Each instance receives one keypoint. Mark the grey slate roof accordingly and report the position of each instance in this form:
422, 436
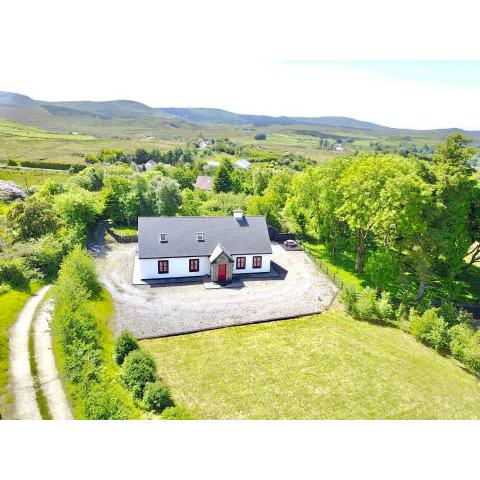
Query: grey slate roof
247, 236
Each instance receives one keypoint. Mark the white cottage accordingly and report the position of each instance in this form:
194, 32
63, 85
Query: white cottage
219, 247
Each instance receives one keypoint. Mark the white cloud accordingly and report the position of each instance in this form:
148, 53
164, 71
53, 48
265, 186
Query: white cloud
232, 55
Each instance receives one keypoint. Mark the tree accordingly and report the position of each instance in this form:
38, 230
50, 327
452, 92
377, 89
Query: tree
191, 204
223, 180
260, 136
474, 228
32, 218
78, 208
455, 154
167, 196
455, 193
260, 178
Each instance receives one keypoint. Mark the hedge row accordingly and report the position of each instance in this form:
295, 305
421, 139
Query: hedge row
72, 167
444, 329
140, 376
93, 387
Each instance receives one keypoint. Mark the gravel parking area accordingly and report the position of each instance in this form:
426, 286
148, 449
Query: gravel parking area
161, 310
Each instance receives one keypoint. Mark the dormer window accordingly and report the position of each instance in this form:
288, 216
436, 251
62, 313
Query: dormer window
200, 237
163, 238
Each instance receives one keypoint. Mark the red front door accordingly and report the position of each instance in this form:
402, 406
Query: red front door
222, 272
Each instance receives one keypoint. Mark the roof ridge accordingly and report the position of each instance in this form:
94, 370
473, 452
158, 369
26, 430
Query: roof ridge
200, 216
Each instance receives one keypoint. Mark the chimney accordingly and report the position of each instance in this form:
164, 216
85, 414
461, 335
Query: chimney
238, 214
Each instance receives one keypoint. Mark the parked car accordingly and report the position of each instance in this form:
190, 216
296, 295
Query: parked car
290, 243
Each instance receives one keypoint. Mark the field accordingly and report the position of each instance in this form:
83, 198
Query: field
25, 142
323, 367
27, 177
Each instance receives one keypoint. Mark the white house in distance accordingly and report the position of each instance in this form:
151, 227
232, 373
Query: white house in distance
243, 164
218, 247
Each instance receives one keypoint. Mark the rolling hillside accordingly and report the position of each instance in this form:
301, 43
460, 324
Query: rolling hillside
17, 107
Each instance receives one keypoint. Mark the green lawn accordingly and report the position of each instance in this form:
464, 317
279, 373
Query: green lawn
125, 231
11, 303
341, 266
324, 367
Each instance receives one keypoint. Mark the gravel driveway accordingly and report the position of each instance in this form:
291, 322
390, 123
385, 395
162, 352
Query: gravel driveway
161, 310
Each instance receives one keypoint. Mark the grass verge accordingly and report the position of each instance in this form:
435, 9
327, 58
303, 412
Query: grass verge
328, 366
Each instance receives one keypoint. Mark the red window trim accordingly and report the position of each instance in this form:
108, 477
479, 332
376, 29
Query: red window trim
163, 267
241, 263
194, 265
257, 262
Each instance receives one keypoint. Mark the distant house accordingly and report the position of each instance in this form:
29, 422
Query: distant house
338, 148
150, 164
218, 247
243, 164
213, 164
205, 143
204, 183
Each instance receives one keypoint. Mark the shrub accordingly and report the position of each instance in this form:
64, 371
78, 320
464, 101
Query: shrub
365, 307
138, 370
125, 344
14, 273
48, 252
460, 337
175, 413
78, 265
431, 329
260, 136
157, 397
471, 353
349, 297
100, 404
448, 312
32, 218
11, 163
83, 362
384, 307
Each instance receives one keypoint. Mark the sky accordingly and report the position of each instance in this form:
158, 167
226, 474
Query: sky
302, 58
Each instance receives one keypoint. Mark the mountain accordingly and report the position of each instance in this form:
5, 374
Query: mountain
14, 106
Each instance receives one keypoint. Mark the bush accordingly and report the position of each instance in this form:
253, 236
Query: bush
431, 329
349, 297
471, 353
14, 273
384, 307
79, 267
138, 370
125, 344
100, 404
365, 307
175, 413
157, 397
460, 337
260, 136
48, 252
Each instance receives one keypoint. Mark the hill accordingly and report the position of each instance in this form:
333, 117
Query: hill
17, 107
